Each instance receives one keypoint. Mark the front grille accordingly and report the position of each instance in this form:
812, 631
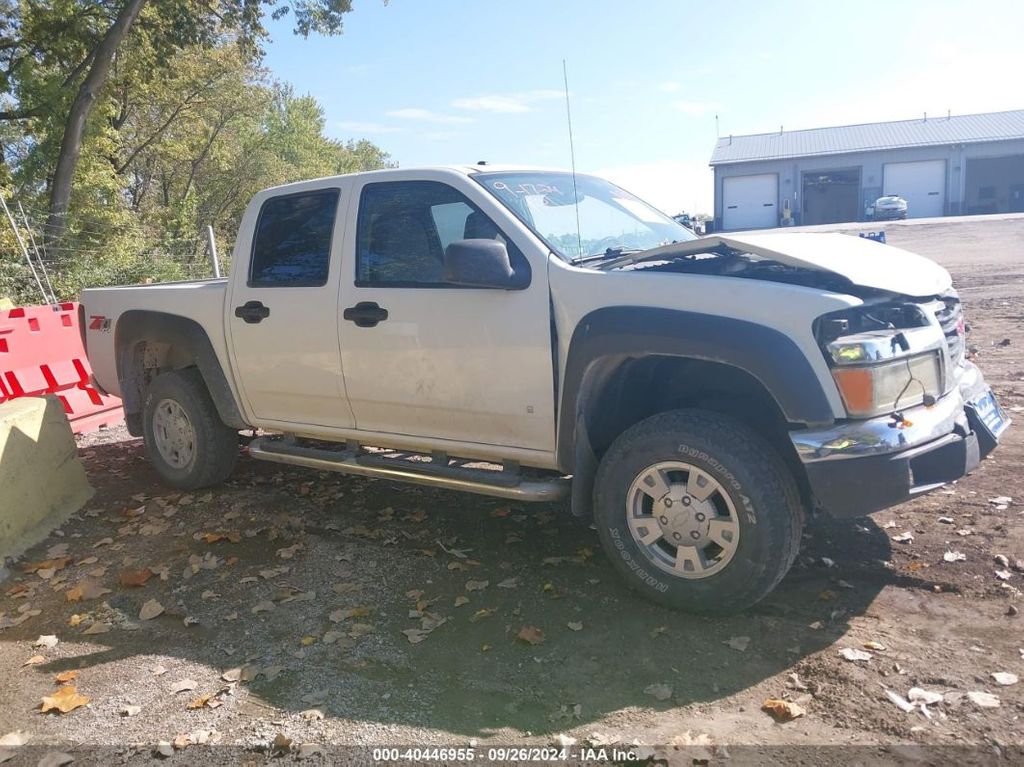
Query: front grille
951, 317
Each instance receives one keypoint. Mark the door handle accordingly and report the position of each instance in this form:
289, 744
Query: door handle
365, 314
252, 312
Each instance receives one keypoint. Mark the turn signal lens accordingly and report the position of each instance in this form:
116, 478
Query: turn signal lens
857, 387
870, 390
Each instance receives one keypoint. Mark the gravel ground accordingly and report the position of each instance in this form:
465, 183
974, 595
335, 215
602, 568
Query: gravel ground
321, 611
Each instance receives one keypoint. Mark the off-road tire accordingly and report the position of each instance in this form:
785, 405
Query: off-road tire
747, 468
215, 445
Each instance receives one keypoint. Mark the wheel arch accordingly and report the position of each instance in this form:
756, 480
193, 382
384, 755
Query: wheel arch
148, 343
628, 363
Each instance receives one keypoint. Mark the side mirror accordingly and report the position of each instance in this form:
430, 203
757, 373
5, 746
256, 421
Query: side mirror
482, 264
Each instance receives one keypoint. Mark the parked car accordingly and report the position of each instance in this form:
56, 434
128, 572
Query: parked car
889, 207
536, 336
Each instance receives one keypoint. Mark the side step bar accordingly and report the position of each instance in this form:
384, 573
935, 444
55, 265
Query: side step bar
502, 485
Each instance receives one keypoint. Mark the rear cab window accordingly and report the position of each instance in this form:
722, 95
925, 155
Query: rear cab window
291, 246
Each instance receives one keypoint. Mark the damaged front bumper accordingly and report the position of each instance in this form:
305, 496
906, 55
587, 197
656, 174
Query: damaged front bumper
859, 467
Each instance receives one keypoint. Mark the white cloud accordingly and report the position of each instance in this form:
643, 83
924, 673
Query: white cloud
425, 115
696, 108
508, 103
672, 187
355, 126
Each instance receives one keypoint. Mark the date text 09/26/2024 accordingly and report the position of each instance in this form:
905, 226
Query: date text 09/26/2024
500, 754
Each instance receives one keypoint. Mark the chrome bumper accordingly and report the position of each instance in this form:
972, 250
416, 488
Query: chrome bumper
881, 436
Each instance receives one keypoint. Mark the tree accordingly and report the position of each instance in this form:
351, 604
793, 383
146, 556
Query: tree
165, 150
75, 42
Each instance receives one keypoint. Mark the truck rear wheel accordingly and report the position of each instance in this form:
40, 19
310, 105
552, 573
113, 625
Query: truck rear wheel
697, 511
185, 439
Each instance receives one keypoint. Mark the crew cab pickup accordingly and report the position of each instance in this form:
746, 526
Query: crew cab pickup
540, 335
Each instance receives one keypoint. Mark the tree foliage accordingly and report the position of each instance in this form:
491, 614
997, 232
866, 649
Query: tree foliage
186, 128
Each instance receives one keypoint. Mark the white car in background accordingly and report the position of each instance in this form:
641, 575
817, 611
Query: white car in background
888, 207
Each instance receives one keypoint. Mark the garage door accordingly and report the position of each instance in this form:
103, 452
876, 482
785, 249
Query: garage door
750, 202
921, 184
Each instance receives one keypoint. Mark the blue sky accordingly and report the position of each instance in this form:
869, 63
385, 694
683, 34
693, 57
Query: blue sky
450, 81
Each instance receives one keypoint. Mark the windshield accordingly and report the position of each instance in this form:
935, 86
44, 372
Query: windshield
604, 220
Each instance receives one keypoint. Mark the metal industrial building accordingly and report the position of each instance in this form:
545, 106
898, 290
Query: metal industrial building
950, 165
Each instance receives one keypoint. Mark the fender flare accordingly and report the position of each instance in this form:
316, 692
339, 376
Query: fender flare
622, 332
191, 346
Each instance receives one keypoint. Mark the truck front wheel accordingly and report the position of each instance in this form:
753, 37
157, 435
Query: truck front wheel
185, 439
697, 511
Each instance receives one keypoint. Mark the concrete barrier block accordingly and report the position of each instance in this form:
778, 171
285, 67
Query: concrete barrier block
42, 482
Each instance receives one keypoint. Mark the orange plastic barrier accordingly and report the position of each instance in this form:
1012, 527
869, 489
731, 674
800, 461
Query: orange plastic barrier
41, 353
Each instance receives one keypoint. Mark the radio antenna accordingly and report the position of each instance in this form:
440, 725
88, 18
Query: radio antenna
572, 158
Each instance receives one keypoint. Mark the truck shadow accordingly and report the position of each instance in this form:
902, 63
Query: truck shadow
317, 577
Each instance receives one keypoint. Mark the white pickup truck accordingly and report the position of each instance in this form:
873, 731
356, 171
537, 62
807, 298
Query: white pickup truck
536, 335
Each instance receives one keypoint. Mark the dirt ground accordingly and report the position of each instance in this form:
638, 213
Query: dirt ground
325, 611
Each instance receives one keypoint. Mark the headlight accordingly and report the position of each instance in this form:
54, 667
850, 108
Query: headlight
884, 358
870, 390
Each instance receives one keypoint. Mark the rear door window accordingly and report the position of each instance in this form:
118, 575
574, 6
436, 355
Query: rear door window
292, 244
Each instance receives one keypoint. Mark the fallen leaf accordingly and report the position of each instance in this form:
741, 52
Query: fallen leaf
134, 578
1005, 678
461, 600
46, 640
918, 695
782, 710
739, 644
86, 589
854, 655
415, 636
201, 701
479, 615
232, 675
983, 699
509, 583
35, 660
184, 685
282, 743
658, 691
263, 607
97, 627
150, 610
353, 612
872, 645
306, 641
903, 537
64, 700
65, 676
164, 749
575, 626
530, 635
477, 585
55, 564
289, 551
954, 556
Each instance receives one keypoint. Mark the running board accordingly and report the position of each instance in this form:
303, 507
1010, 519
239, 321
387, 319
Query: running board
501, 485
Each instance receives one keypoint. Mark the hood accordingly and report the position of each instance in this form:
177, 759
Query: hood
863, 262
